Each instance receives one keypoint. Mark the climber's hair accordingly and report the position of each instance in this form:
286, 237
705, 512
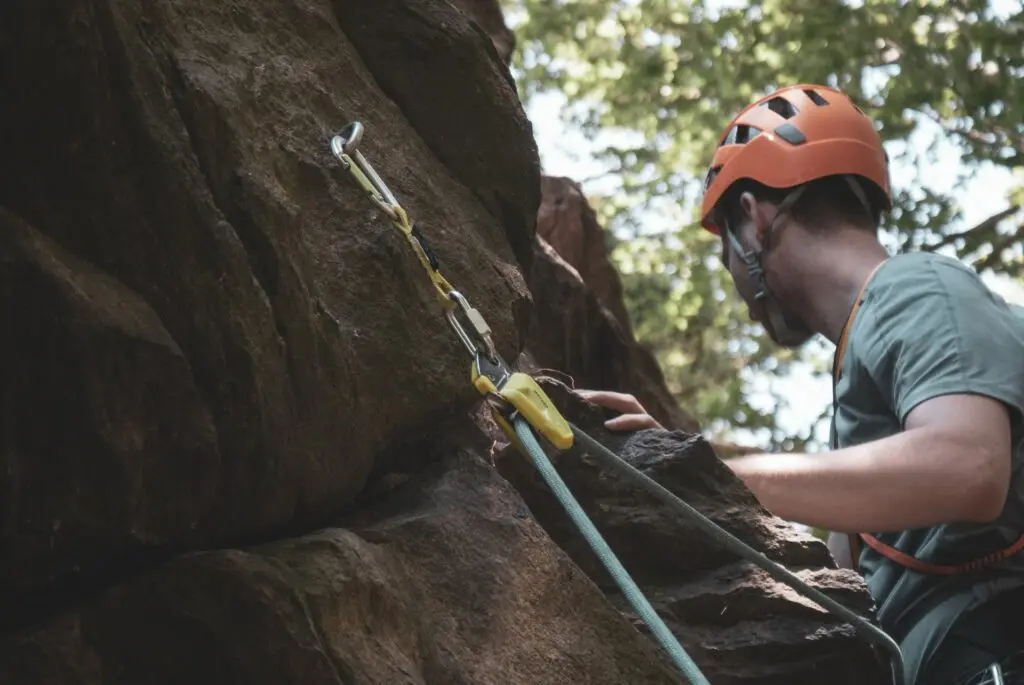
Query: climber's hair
824, 201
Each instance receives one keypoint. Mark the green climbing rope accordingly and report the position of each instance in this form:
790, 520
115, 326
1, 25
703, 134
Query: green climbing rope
733, 544
622, 578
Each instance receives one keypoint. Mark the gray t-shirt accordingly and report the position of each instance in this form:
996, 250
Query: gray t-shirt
928, 326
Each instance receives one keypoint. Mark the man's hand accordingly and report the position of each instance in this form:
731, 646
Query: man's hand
634, 416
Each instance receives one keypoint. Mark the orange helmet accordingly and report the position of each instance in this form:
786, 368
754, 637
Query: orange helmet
792, 136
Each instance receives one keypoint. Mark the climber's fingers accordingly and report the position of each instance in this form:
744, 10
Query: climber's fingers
634, 416
631, 422
613, 400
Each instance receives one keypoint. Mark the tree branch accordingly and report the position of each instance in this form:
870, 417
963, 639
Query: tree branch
979, 137
984, 225
990, 260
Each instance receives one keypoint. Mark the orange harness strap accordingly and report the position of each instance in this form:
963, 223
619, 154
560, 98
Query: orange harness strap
941, 569
874, 543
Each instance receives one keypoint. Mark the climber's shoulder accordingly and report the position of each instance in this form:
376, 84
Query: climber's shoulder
915, 282
929, 325
917, 294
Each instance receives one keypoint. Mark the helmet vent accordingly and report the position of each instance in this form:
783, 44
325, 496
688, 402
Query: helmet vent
712, 172
745, 134
815, 97
741, 134
781, 106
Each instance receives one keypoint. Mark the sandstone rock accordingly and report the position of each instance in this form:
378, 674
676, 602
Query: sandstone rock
580, 326
740, 625
106, 441
224, 335
488, 14
569, 330
568, 223
446, 580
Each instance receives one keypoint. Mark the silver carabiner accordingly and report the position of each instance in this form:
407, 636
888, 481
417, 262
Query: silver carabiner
346, 144
459, 330
348, 140
477, 321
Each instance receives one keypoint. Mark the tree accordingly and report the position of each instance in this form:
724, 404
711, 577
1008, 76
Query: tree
653, 83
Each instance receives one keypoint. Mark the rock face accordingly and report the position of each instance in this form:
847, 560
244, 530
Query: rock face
580, 326
567, 222
739, 624
238, 440
447, 580
206, 301
487, 14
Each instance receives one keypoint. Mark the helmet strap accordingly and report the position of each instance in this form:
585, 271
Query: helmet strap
753, 262
752, 259
858, 190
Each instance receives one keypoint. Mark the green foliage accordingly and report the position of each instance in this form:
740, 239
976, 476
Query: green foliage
653, 83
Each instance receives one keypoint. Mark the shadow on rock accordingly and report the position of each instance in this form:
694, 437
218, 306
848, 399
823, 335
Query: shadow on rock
446, 579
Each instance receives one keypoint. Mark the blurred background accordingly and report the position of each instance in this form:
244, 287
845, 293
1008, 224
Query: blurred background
628, 97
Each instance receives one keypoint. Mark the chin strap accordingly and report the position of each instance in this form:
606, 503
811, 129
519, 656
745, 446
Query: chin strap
752, 260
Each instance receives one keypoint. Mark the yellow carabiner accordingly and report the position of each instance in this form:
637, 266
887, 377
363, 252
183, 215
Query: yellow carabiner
523, 393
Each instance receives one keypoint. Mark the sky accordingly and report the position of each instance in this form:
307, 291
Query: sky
564, 151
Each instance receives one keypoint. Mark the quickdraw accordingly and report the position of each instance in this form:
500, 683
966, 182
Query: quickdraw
345, 147
510, 392
520, 407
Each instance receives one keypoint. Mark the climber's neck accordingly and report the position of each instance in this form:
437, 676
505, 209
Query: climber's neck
831, 276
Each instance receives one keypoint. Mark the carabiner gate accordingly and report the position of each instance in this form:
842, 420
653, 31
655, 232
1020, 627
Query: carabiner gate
477, 321
461, 332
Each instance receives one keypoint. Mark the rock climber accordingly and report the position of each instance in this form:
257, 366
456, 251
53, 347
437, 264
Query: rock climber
922, 486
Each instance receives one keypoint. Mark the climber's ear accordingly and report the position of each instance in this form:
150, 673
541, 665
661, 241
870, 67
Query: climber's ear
754, 222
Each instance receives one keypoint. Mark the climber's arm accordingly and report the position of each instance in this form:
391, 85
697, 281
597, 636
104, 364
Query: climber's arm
952, 463
943, 355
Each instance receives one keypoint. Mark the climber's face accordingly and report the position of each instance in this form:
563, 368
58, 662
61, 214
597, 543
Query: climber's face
777, 310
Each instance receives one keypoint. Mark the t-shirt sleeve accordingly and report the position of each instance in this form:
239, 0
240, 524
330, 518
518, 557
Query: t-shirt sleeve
933, 328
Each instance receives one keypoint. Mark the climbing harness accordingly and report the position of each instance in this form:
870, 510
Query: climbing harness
522, 410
